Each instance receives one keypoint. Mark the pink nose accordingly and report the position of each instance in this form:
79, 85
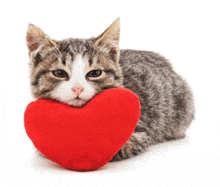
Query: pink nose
77, 90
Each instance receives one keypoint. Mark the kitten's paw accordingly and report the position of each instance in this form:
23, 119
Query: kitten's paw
134, 146
176, 137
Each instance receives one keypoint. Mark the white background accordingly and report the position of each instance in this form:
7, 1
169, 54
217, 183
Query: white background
185, 32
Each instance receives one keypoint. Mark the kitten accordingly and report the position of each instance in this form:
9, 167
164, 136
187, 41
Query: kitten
73, 71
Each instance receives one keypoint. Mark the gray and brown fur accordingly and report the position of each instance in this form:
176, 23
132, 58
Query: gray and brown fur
167, 106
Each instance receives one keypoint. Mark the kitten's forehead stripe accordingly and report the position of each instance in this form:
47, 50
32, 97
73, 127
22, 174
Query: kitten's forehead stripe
84, 53
63, 61
65, 47
90, 61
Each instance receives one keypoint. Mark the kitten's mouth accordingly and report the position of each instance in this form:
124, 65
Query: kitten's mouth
77, 102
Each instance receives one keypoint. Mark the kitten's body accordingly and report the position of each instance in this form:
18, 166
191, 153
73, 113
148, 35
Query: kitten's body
166, 100
96, 64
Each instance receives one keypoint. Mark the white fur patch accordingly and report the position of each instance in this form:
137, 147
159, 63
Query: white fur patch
64, 93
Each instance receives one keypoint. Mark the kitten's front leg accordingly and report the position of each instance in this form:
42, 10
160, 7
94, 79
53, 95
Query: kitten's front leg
135, 145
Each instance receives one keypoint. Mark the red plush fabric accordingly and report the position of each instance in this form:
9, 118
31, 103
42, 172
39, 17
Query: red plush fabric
84, 138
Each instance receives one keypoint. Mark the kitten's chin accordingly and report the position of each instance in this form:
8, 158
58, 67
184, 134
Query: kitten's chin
77, 102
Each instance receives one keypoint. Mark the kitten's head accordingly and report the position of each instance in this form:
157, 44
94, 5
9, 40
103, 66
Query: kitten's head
73, 71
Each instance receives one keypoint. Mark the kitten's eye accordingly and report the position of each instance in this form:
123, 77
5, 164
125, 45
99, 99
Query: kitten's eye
94, 73
60, 73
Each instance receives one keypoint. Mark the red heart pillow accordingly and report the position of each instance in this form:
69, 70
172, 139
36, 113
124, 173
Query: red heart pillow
84, 138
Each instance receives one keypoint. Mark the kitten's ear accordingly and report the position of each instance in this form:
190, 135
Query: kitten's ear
36, 39
109, 40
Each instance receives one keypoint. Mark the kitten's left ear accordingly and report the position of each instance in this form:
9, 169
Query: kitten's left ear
109, 40
36, 39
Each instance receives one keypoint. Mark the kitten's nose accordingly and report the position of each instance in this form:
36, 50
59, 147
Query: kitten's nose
77, 90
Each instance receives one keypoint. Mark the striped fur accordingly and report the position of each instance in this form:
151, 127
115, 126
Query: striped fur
167, 106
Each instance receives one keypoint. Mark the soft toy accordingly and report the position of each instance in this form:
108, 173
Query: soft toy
86, 138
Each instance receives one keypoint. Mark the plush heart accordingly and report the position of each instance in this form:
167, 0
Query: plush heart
84, 138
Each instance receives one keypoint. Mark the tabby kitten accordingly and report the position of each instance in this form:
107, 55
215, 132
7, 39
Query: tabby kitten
73, 71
